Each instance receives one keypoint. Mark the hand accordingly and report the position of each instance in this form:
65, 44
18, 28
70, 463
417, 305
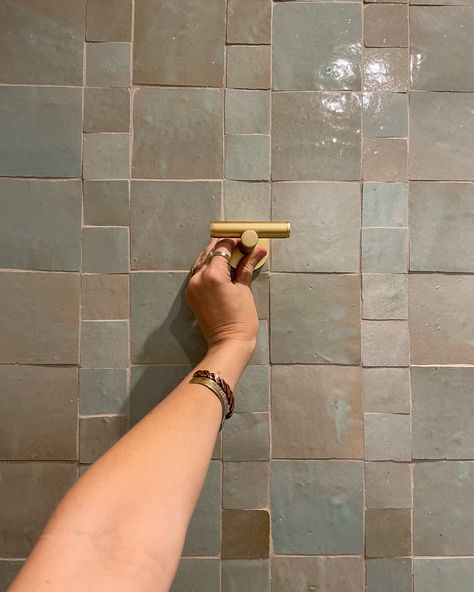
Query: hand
224, 307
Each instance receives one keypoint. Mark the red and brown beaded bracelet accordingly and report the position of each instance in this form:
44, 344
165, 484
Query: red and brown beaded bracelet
223, 385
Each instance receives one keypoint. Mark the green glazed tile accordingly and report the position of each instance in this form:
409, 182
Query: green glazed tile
39, 407
306, 309
246, 436
316, 136
198, 575
247, 157
387, 437
249, 21
203, 536
106, 156
389, 575
165, 214
326, 236
40, 146
103, 391
38, 487
388, 485
301, 527
385, 204
48, 306
385, 115
443, 492
104, 344
443, 408
40, 224
317, 46
247, 111
249, 66
437, 575
246, 485
98, 434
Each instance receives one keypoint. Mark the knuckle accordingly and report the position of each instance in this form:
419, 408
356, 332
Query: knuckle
213, 277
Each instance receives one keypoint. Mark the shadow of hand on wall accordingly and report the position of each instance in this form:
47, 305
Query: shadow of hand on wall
171, 349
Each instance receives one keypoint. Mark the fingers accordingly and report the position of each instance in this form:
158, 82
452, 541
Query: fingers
201, 259
246, 266
218, 267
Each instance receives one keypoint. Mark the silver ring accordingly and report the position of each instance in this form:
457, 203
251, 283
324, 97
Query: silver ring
225, 254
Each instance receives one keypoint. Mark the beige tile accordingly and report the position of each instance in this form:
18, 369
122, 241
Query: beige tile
386, 69
41, 42
385, 343
384, 296
322, 418
109, 20
386, 25
105, 297
316, 136
194, 38
384, 159
108, 64
388, 485
39, 408
249, 21
387, 390
388, 533
106, 110
29, 492
245, 534
189, 123
441, 227
441, 136
441, 319
106, 156
306, 309
442, 45
326, 231
249, 66
387, 437
331, 574
48, 306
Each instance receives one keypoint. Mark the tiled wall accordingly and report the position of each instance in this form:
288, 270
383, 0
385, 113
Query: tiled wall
124, 130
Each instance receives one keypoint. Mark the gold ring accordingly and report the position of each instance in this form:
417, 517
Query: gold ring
225, 254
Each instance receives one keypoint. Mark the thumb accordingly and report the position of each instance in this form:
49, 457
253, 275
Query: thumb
246, 266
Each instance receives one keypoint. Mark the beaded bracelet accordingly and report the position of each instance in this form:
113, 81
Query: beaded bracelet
220, 387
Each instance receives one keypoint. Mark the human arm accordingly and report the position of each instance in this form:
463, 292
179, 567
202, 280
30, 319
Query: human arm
122, 526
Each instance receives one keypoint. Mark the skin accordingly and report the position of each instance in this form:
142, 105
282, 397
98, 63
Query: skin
121, 527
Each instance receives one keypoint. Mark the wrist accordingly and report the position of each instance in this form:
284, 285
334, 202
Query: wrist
240, 349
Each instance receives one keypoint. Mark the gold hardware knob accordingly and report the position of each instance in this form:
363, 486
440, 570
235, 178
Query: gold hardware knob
249, 240
251, 234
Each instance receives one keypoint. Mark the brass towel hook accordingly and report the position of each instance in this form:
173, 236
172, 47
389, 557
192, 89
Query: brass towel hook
251, 234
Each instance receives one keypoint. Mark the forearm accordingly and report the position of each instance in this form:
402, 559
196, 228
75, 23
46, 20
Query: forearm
122, 526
